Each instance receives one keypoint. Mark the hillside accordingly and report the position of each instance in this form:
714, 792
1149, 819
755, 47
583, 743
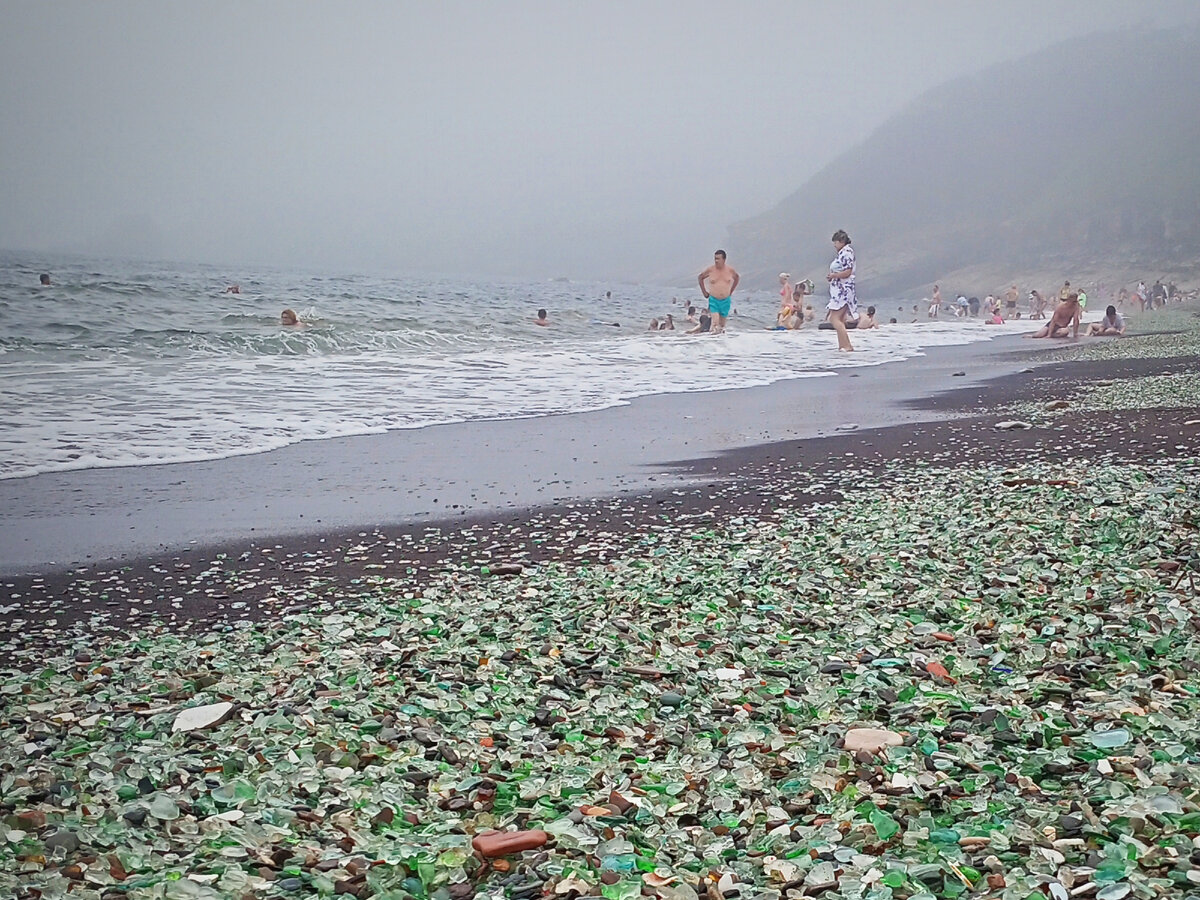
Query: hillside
1082, 158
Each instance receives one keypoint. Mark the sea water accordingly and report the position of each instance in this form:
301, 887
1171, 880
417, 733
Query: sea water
121, 363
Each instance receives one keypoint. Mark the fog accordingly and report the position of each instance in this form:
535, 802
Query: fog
615, 140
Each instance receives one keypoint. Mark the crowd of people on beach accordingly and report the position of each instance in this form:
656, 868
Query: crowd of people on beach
719, 280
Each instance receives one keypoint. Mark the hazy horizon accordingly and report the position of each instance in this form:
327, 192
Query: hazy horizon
521, 140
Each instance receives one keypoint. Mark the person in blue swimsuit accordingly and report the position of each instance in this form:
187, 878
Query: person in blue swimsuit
717, 284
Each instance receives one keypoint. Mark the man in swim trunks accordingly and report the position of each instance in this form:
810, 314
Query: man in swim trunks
1064, 321
1010, 302
721, 280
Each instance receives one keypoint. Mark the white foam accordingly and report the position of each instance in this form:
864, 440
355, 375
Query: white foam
122, 411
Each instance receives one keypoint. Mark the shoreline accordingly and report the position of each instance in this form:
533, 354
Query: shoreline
834, 660
201, 585
57, 520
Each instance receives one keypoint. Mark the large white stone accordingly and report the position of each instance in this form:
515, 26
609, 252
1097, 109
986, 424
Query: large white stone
871, 739
198, 717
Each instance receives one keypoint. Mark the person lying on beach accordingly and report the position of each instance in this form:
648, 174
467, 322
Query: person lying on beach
541, 318
1064, 322
704, 327
288, 317
868, 321
1112, 325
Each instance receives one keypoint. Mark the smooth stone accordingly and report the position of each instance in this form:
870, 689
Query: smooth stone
67, 841
871, 740
199, 717
136, 816
671, 699
502, 843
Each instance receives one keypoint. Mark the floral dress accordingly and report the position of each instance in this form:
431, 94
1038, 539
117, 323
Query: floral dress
841, 291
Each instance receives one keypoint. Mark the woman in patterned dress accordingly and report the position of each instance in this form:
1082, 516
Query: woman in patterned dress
843, 299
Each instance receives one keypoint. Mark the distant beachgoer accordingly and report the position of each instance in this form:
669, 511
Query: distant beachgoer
653, 325
541, 318
289, 317
1082, 299
973, 306
1158, 294
961, 306
843, 295
994, 319
691, 315
809, 313
1037, 305
704, 327
718, 283
892, 320
1122, 296
785, 288
1064, 321
1112, 324
667, 324
937, 295
233, 289
44, 279
1142, 295
1064, 291
868, 321
1010, 302
935, 304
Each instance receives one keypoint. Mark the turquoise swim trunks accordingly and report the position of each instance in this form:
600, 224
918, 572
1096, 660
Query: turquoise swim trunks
720, 307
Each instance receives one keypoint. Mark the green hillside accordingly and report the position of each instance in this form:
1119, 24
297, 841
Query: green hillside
1083, 156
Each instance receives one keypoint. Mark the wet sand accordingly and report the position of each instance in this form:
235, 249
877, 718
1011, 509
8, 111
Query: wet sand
697, 476
459, 471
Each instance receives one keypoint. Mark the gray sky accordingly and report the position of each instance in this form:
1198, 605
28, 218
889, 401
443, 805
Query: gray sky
587, 139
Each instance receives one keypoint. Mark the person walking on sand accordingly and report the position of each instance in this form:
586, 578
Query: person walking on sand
717, 284
843, 296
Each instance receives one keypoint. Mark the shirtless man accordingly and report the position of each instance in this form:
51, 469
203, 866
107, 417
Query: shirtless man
541, 318
1010, 302
722, 279
1064, 321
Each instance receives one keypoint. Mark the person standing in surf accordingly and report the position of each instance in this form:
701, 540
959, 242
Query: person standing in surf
717, 284
843, 297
